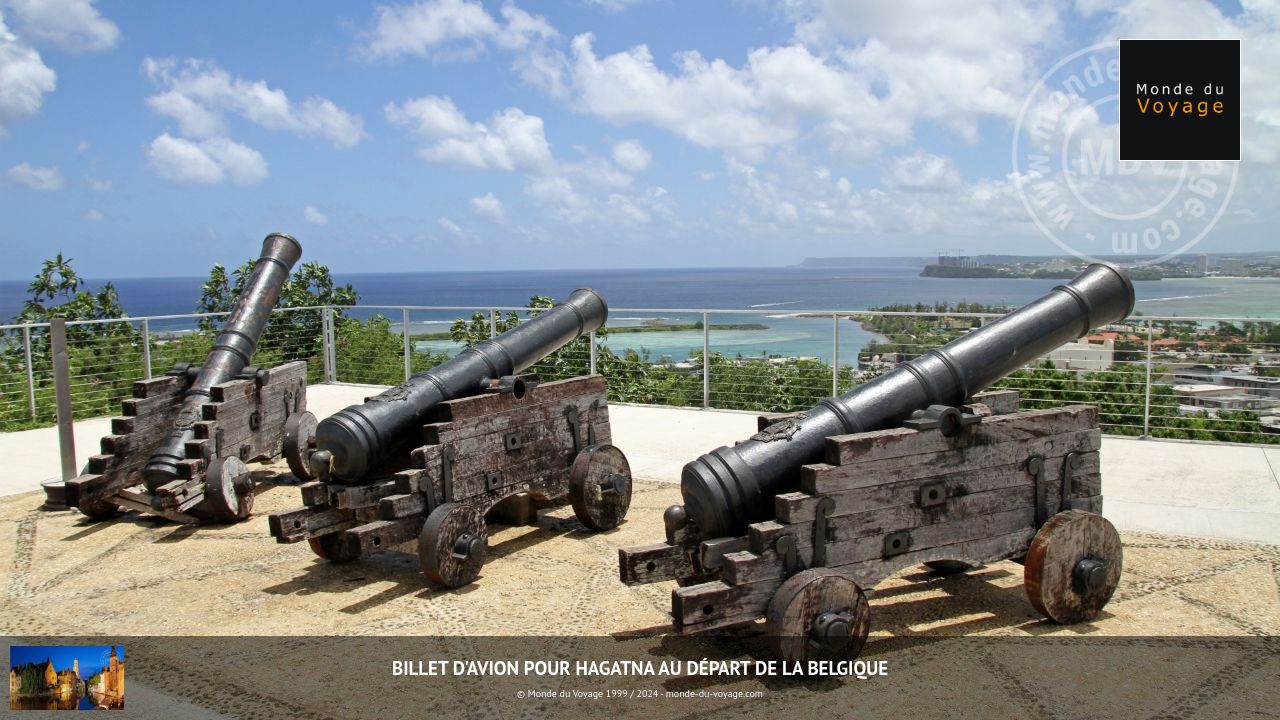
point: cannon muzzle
(732, 487)
(231, 351)
(361, 437)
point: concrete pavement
(1202, 489)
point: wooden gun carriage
(952, 489)
(507, 453)
(246, 419)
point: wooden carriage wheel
(600, 487)
(299, 441)
(228, 488)
(1073, 566)
(818, 614)
(452, 545)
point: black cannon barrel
(231, 351)
(361, 436)
(732, 487)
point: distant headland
(1255, 264)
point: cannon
(361, 437)
(231, 353)
(180, 449)
(429, 461)
(917, 466)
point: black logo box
(1205, 73)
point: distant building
(1194, 374)
(112, 680)
(1268, 386)
(1218, 397)
(69, 679)
(1202, 264)
(1056, 265)
(15, 682)
(1232, 266)
(963, 261)
(1213, 377)
(1084, 356)
(50, 675)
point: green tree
(97, 352)
(295, 329)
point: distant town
(1189, 266)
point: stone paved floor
(1190, 632)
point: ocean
(771, 295)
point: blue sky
(154, 139)
(92, 657)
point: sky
(155, 139)
(92, 657)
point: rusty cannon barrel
(361, 437)
(231, 351)
(729, 488)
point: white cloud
(206, 162)
(858, 75)
(99, 185)
(452, 227)
(511, 140)
(82, 147)
(314, 216)
(24, 79)
(614, 5)
(597, 172)
(71, 25)
(631, 155)
(93, 215)
(708, 103)
(444, 28)
(199, 94)
(924, 172)
(559, 193)
(488, 206)
(47, 179)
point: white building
(1084, 356)
(1232, 266)
(1221, 397)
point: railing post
(62, 393)
(326, 339)
(405, 322)
(493, 323)
(1146, 401)
(706, 361)
(835, 355)
(146, 349)
(591, 338)
(31, 375)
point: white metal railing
(1138, 387)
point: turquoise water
(769, 293)
(784, 336)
